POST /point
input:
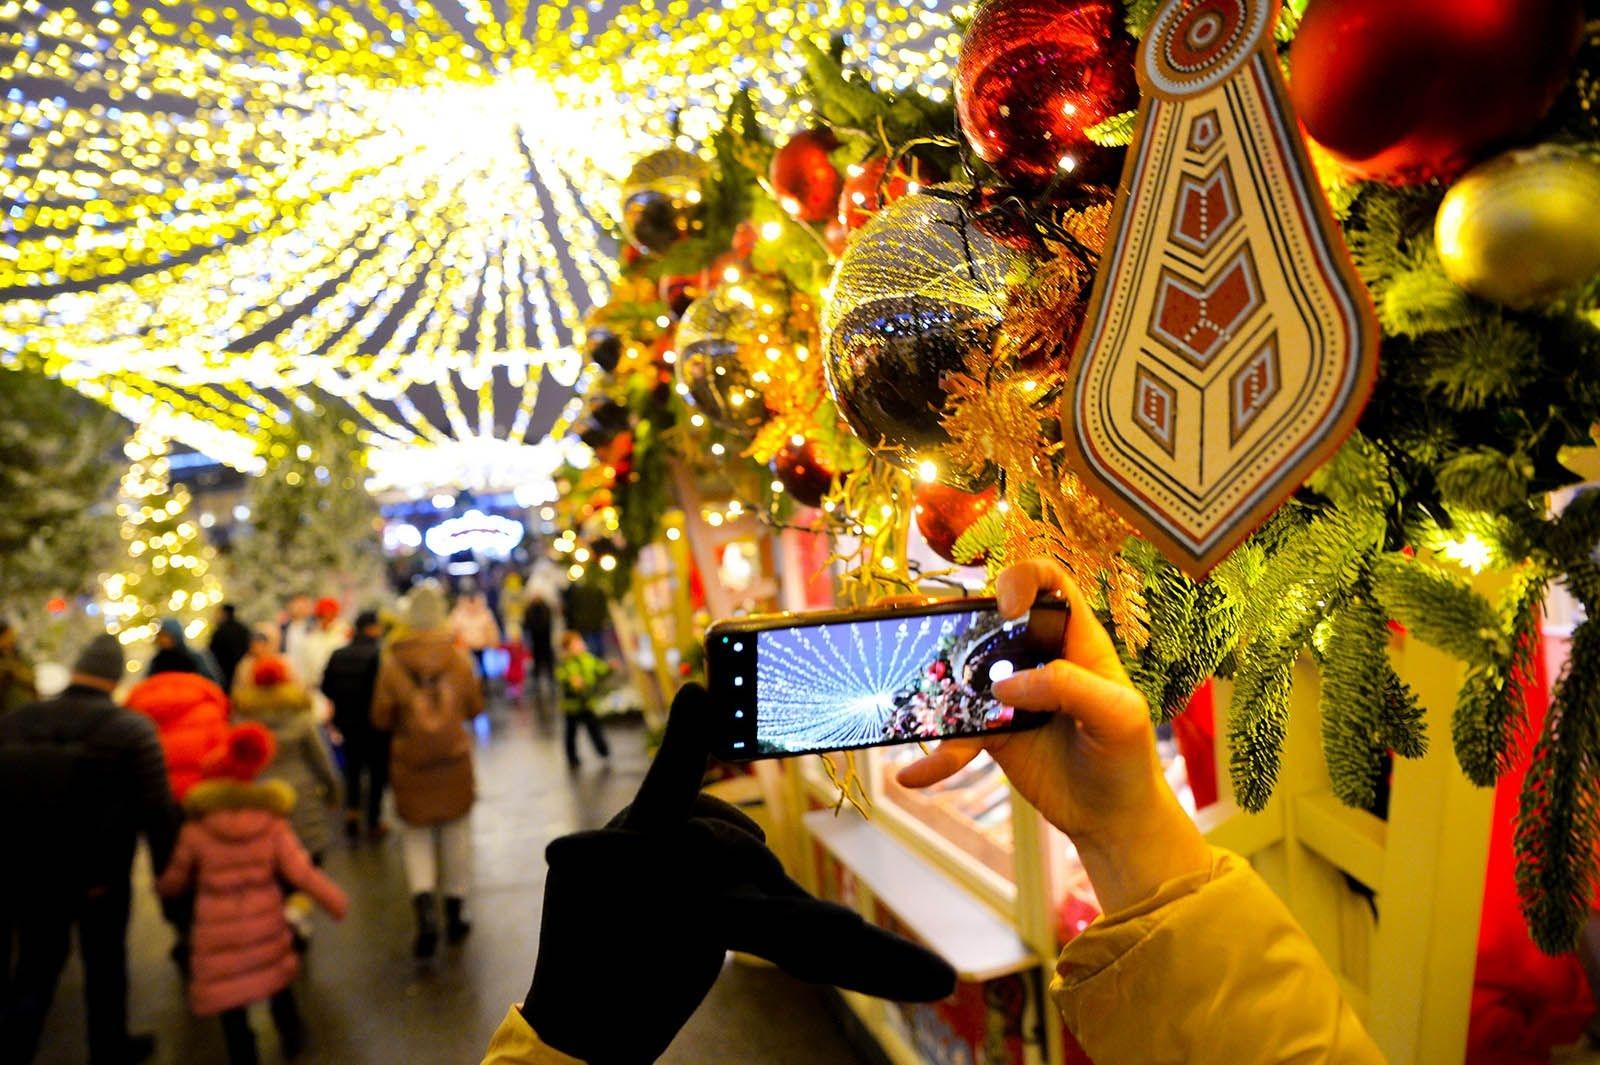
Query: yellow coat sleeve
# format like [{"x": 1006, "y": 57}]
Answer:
[
  {"x": 1210, "y": 970},
  {"x": 515, "y": 1043}
]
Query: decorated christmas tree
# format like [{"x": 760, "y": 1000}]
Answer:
[
  {"x": 167, "y": 568},
  {"x": 313, "y": 524}
]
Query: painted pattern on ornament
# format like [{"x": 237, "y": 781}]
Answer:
[{"x": 1229, "y": 346}]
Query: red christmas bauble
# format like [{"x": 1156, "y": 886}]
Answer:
[
  {"x": 803, "y": 176},
  {"x": 835, "y": 235},
  {"x": 944, "y": 514},
  {"x": 1414, "y": 90},
  {"x": 1033, "y": 75},
  {"x": 677, "y": 291},
  {"x": 866, "y": 190},
  {"x": 802, "y": 476}
]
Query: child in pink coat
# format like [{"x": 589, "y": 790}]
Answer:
[{"x": 233, "y": 850}]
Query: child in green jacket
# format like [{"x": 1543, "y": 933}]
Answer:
[{"x": 579, "y": 675}]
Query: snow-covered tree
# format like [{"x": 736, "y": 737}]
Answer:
[{"x": 313, "y": 524}]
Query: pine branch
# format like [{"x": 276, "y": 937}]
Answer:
[
  {"x": 1484, "y": 479},
  {"x": 1355, "y": 702},
  {"x": 1257, "y": 719},
  {"x": 1488, "y": 361},
  {"x": 1441, "y": 608},
  {"x": 1559, "y": 820},
  {"x": 1491, "y": 709}
]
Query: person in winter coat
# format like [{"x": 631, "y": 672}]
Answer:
[
  {"x": 16, "y": 674},
  {"x": 302, "y": 762},
  {"x": 538, "y": 632},
  {"x": 174, "y": 655},
  {"x": 230, "y": 642},
  {"x": 80, "y": 780},
  {"x": 1195, "y": 959},
  {"x": 191, "y": 717},
  {"x": 349, "y": 683},
  {"x": 264, "y": 640},
  {"x": 475, "y": 628},
  {"x": 235, "y": 849},
  {"x": 426, "y": 694},
  {"x": 579, "y": 676}
]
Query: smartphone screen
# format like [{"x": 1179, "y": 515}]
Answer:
[{"x": 802, "y": 684}]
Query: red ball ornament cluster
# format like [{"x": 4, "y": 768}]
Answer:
[
  {"x": 945, "y": 514},
  {"x": 803, "y": 177},
  {"x": 866, "y": 190},
  {"x": 1406, "y": 91},
  {"x": 1034, "y": 76}
]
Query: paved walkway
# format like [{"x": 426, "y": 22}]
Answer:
[{"x": 366, "y": 1000}]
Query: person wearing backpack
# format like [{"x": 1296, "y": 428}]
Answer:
[{"x": 427, "y": 692}]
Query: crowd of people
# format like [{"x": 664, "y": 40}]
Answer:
[{"x": 238, "y": 763}]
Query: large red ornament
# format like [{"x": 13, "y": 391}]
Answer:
[
  {"x": 805, "y": 479},
  {"x": 1414, "y": 90},
  {"x": 944, "y": 514},
  {"x": 865, "y": 188},
  {"x": 1034, "y": 75},
  {"x": 803, "y": 176}
]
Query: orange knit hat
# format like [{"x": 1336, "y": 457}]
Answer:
[{"x": 270, "y": 672}]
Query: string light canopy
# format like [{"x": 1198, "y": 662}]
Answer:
[{"x": 213, "y": 211}]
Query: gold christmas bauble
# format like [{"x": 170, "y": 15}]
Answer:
[
  {"x": 1523, "y": 227},
  {"x": 661, "y": 199},
  {"x": 723, "y": 340}
]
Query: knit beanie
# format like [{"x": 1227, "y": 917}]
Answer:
[
  {"x": 327, "y": 608},
  {"x": 173, "y": 628},
  {"x": 426, "y": 607},
  {"x": 102, "y": 659},
  {"x": 242, "y": 756},
  {"x": 270, "y": 671}
]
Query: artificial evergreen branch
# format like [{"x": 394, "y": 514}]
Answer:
[
  {"x": 1491, "y": 709},
  {"x": 1355, "y": 702},
  {"x": 1440, "y": 608},
  {"x": 1559, "y": 819}
]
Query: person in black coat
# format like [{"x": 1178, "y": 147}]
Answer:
[
  {"x": 348, "y": 682},
  {"x": 81, "y": 779},
  {"x": 230, "y": 642}
]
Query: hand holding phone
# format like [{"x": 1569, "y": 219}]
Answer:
[
  {"x": 1092, "y": 770},
  {"x": 791, "y": 684}
]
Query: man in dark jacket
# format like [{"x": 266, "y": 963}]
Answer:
[
  {"x": 348, "y": 682},
  {"x": 230, "y": 642},
  {"x": 80, "y": 780}
]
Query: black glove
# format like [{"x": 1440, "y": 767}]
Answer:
[{"x": 639, "y": 915}]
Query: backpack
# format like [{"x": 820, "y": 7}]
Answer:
[{"x": 431, "y": 724}]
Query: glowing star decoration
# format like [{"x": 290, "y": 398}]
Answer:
[
  {"x": 216, "y": 212},
  {"x": 490, "y": 535},
  {"x": 1229, "y": 346}
]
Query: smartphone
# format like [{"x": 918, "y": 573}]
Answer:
[{"x": 839, "y": 680}]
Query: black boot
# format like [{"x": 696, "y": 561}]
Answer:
[
  {"x": 427, "y": 926},
  {"x": 456, "y": 927}
]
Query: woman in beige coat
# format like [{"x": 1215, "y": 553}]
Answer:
[{"x": 426, "y": 693}]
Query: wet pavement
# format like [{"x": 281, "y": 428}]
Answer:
[{"x": 366, "y": 1000}]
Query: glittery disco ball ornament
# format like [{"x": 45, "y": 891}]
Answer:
[
  {"x": 1523, "y": 227},
  {"x": 661, "y": 199},
  {"x": 804, "y": 177},
  {"x": 919, "y": 287},
  {"x": 1413, "y": 90},
  {"x": 1033, "y": 76},
  {"x": 719, "y": 338},
  {"x": 945, "y": 514},
  {"x": 805, "y": 479},
  {"x": 603, "y": 347}
]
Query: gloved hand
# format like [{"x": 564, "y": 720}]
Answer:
[{"x": 639, "y": 915}]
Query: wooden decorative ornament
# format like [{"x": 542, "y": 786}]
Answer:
[{"x": 1229, "y": 346}]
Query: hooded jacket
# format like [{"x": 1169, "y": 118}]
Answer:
[
  {"x": 191, "y": 717},
  {"x": 302, "y": 761},
  {"x": 426, "y": 791},
  {"x": 233, "y": 852}
]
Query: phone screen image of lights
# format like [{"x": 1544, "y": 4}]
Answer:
[{"x": 884, "y": 680}]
